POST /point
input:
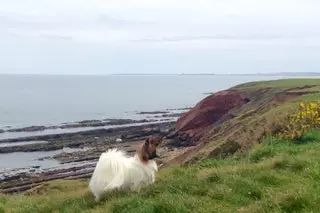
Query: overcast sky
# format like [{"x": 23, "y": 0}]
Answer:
[{"x": 159, "y": 36}]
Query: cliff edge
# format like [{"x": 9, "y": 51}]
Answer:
[{"x": 233, "y": 120}]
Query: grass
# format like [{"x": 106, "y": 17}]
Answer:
[
  {"x": 276, "y": 176},
  {"x": 283, "y": 83}
]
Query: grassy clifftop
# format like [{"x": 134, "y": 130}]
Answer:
[
  {"x": 274, "y": 176},
  {"x": 270, "y": 102}
]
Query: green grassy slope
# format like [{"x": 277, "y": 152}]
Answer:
[
  {"x": 283, "y": 83},
  {"x": 276, "y": 176}
]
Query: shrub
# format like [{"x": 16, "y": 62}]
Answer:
[{"x": 301, "y": 120}]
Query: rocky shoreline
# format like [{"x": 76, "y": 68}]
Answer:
[
  {"x": 152, "y": 116},
  {"x": 84, "y": 123},
  {"x": 74, "y": 139},
  {"x": 88, "y": 145}
]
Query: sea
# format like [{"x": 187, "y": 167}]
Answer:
[{"x": 27, "y": 100}]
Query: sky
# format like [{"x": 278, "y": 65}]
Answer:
[{"x": 159, "y": 36}]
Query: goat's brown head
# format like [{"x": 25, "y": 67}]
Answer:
[{"x": 148, "y": 151}]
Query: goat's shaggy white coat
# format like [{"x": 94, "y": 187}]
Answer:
[{"x": 116, "y": 170}]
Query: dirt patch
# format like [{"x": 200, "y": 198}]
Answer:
[
  {"x": 285, "y": 97},
  {"x": 192, "y": 125},
  {"x": 292, "y": 94},
  {"x": 302, "y": 88},
  {"x": 182, "y": 156}
]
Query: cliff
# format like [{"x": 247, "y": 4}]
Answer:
[
  {"x": 232, "y": 121},
  {"x": 194, "y": 123}
]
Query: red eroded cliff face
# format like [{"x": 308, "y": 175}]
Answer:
[{"x": 193, "y": 124}]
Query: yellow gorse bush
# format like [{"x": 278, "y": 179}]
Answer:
[{"x": 305, "y": 118}]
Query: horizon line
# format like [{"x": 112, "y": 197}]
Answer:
[{"x": 221, "y": 74}]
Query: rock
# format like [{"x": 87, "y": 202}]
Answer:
[
  {"x": 184, "y": 108},
  {"x": 89, "y": 121},
  {"x": 142, "y": 132},
  {"x": 85, "y": 138},
  {"x": 84, "y": 123},
  {"x": 118, "y": 140},
  {"x": 172, "y": 115},
  {"x": 151, "y": 113},
  {"x": 30, "y": 177},
  {"x": 28, "y": 129},
  {"x": 2, "y": 131},
  {"x": 43, "y": 158},
  {"x": 191, "y": 125}
]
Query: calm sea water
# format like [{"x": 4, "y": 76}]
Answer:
[{"x": 41, "y": 100}]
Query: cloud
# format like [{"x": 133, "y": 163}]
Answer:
[
  {"x": 218, "y": 37},
  {"x": 107, "y": 32},
  {"x": 111, "y": 21},
  {"x": 58, "y": 37}
]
